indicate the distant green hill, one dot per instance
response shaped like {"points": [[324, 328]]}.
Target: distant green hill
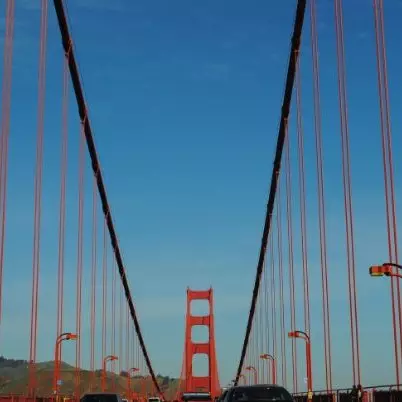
{"points": [[14, 380]]}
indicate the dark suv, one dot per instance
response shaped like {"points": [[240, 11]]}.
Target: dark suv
{"points": [[101, 397], [257, 393]]}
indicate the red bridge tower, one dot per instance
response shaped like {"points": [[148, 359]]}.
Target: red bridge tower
{"points": [[209, 383]]}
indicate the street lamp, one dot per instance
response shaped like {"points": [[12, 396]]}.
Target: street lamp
{"points": [[267, 356], [252, 368], [65, 336], [385, 270], [303, 335], [144, 388], [132, 370], [106, 359]]}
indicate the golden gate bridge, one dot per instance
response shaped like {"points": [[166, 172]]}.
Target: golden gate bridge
{"points": [[274, 324]]}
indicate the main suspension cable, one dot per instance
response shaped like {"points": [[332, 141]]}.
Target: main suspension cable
{"points": [[83, 113], [297, 31]]}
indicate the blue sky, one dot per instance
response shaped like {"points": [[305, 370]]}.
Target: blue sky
{"points": [[184, 100]]}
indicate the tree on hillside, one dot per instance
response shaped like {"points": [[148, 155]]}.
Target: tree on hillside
{"points": [[4, 362]]}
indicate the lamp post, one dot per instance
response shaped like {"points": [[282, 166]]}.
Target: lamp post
{"points": [[303, 335], [252, 368], [105, 360], [143, 387], [385, 269], [65, 336], [132, 370], [267, 356]]}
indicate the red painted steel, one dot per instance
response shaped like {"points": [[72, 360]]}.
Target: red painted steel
{"points": [[208, 383]]}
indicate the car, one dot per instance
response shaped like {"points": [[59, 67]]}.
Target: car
{"points": [[258, 393], [154, 399], [222, 395], [101, 397]]}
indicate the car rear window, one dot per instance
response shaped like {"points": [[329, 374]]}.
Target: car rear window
{"points": [[99, 398], [257, 394]]}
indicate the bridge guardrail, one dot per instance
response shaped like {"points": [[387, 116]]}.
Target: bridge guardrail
{"points": [[381, 393]]}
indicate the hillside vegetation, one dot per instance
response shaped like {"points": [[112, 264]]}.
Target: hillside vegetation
{"points": [[14, 380]]}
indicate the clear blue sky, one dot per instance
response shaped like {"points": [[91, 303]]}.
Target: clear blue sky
{"points": [[184, 99]]}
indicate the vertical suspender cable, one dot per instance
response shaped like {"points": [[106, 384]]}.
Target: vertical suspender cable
{"points": [[321, 199], [5, 131], [81, 173], [388, 168], [347, 193], [267, 314], [113, 337], [273, 302], [291, 259], [104, 291], [302, 199], [127, 354], [121, 331], [93, 284], [38, 198], [281, 295], [62, 210]]}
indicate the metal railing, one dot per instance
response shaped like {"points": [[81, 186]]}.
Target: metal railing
{"points": [[379, 393]]}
